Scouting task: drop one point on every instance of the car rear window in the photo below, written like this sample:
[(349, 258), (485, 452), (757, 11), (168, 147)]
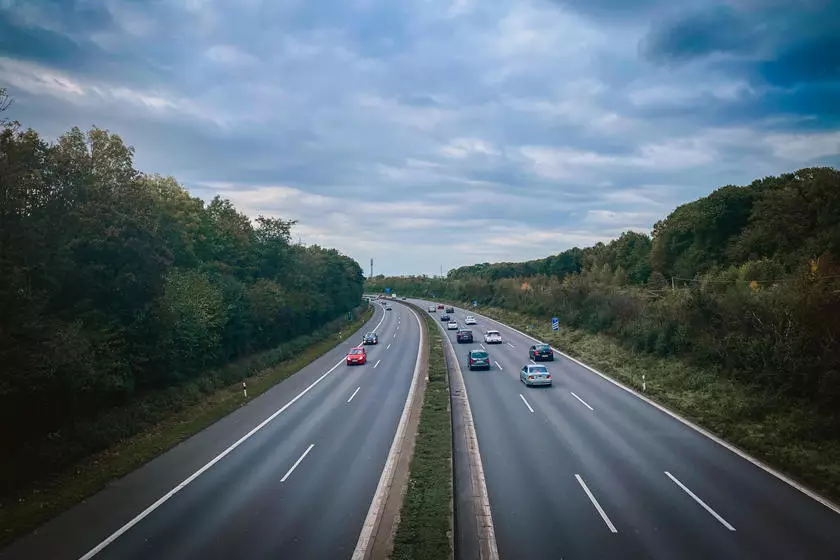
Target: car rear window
[(492, 332), (543, 347), (539, 369), (355, 351), (479, 354)]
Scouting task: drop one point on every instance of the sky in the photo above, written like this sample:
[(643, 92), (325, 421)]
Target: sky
[(429, 134)]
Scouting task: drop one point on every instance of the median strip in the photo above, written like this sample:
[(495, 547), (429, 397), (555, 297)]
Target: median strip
[(425, 527)]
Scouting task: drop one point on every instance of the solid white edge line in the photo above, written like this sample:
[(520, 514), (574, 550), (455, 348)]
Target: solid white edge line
[(582, 401), (498, 366), (732, 448), (354, 394), (596, 504), (376, 364), (701, 502), (291, 470), (487, 530), (521, 396), (143, 514), (380, 496)]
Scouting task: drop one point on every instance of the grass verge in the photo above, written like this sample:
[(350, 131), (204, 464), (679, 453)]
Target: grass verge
[(782, 432), (261, 372), (425, 525)]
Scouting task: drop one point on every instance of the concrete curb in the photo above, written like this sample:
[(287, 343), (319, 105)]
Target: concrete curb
[(377, 537), (485, 529)]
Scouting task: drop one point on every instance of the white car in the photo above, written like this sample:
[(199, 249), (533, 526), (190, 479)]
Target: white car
[(493, 337), (432, 309), (452, 326), (469, 320)]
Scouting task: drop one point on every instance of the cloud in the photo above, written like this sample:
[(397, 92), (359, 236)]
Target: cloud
[(439, 132)]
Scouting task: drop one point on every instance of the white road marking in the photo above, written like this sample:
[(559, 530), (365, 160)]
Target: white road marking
[(582, 401), (723, 443), (498, 366), (376, 364), (387, 477), (387, 347), (701, 502), (511, 345), (482, 346), (533, 362), (143, 514), (526, 403), (354, 392), (398, 328), (596, 504), (291, 470), (395, 335)]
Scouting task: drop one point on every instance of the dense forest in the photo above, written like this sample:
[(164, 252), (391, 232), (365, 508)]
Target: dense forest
[(746, 280), (117, 283)]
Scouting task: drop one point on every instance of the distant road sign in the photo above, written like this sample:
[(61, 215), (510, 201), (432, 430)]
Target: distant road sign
[(387, 290), (555, 324), (475, 302)]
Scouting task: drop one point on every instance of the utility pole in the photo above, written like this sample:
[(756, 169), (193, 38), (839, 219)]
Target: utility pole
[(371, 268)]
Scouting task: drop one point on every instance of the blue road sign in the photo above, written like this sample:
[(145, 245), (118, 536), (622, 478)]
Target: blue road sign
[(475, 302), (387, 290), (555, 324)]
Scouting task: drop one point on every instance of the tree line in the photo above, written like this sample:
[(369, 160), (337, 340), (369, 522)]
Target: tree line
[(745, 280), (116, 283)]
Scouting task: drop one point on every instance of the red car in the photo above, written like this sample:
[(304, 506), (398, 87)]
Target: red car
[(357, 356), (440, 306)]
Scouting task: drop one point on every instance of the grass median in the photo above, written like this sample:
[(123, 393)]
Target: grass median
[(781, 431), (425, 525), (180, 413)]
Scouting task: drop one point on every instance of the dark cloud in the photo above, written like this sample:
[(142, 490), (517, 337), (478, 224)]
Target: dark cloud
[(547, 118), (716, 29)]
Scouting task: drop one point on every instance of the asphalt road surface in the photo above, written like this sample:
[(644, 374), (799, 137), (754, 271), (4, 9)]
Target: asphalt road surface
[(298, 487), (585, 469)]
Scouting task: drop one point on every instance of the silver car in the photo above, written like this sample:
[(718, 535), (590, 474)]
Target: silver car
[(534, 374), (452, 326)]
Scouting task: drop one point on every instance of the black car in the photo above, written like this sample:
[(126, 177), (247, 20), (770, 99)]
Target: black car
[(464, 335), (444, 317), (540, 352), (450, 310), (478, 359), (371, 338)]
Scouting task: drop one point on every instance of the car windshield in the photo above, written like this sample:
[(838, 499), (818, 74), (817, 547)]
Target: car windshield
[(479, 354), (539, 369)]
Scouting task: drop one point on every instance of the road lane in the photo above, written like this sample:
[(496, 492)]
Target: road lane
[(244, 506), (622, 448)]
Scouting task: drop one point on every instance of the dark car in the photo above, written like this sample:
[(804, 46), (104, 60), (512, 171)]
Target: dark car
[(444, 317), (450, 310), (464, 335), (371, 338), (478, 359), (540, 352)]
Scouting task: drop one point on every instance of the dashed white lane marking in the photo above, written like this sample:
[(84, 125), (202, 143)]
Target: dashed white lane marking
[(582, 401), (596, 504), (701, 502), (356, 391), (291, 470), (521, 396)]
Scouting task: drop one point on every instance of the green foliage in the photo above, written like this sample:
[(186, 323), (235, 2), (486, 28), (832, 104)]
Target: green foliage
[(744, 280), (116, 285)]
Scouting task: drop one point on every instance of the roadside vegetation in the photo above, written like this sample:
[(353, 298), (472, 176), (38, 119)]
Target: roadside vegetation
[(159, 421), (119, 292), (731, 308), (425, 526)]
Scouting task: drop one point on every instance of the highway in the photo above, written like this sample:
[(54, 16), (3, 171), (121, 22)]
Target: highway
[(294, 474), (586, 469)]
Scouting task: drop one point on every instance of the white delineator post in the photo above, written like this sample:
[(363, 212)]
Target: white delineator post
[(244, 389)]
